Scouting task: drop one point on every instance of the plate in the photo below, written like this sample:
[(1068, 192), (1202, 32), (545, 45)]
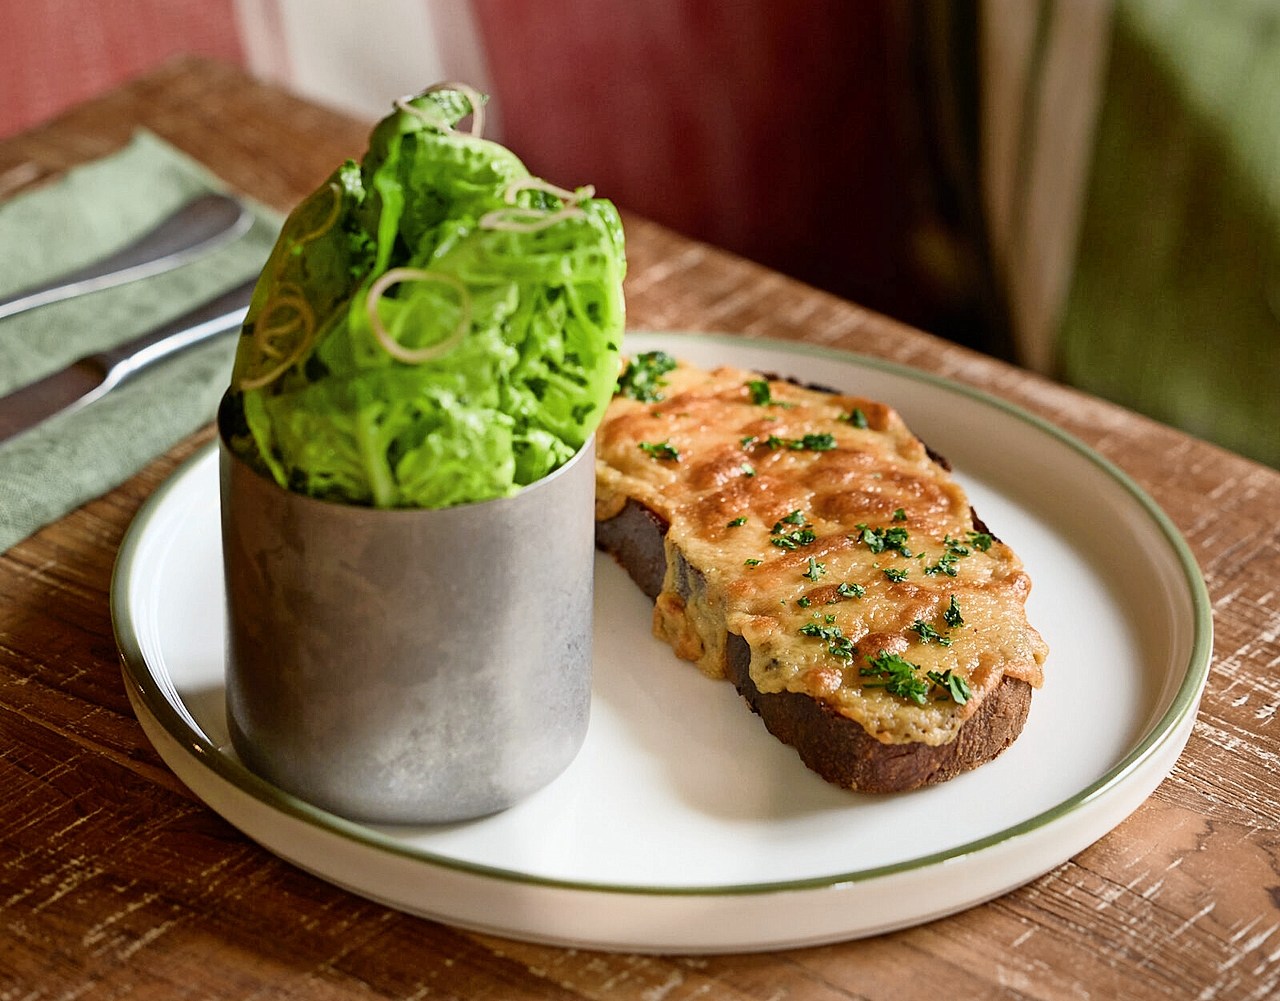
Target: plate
[(682, 826)]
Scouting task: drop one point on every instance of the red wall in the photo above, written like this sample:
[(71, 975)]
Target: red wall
[(773, 129), (55, 53)]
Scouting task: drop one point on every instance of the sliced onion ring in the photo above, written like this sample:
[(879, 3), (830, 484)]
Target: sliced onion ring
[(523, 220), (416, 356), (538, 184), (264, 333), (437, 119)]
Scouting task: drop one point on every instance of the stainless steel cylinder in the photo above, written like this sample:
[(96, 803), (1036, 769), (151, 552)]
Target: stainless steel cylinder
[(408, 666)]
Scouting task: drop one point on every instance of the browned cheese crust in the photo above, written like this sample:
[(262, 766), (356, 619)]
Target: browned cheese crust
[(808, 548)]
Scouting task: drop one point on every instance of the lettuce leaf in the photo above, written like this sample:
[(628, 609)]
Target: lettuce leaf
[(434, 325)]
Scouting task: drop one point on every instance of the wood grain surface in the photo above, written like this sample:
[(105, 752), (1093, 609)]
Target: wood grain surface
[(116, 882)]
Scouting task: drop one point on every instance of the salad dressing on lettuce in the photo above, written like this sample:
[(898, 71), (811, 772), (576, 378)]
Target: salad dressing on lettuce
[(434, 326)]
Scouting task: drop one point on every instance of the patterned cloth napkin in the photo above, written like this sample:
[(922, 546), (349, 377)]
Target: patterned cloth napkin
[(91, 211)]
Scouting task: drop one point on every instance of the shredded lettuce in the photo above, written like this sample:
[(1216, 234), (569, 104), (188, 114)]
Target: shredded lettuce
[(434, 326)]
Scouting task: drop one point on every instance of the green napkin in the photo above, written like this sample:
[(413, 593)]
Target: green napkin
[(86, 214)]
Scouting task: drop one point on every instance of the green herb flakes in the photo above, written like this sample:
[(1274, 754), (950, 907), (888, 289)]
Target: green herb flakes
[(643, 380), (946, 565), (809, 443), (661, 450), (794, 540), (784, 539), (838, 644), (794, 518), (897, 676), (928, 634), (900, 677), (880, 540), (761, 395), (953, 686), (981, 541)]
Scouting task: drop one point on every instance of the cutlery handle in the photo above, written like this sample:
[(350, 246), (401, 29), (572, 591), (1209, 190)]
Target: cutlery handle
[(199, 226), (219, 315)]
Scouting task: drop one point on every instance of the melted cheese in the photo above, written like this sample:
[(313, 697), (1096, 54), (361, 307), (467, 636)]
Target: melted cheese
[(739, 470)]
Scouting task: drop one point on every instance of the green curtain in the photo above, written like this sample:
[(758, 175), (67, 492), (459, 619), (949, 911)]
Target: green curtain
[(1174, 303)]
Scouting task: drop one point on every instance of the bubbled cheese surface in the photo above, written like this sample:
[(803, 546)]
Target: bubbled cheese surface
[(825, 534)]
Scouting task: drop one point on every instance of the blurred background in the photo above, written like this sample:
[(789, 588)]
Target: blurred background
[(1090, 188)]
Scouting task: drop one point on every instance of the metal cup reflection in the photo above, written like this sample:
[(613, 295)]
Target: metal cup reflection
[(409, 666)]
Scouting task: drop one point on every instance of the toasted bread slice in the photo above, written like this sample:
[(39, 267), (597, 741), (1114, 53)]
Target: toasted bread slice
[(808, 547)]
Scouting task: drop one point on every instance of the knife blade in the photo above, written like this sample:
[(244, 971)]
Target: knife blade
[(196, 228), (93, 376)]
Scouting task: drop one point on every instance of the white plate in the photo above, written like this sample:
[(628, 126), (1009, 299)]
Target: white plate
[(683, 826)]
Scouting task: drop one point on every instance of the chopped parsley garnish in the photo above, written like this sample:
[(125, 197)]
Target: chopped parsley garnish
[(980, 541), (838, 644), (815, 570), (858, 419), (895, 574), (901, 677), (816, 442), (748, 469), (801, 536), (761, 395), (928, 634), (955, 549), (809, 443), (897, 676), (752, 562), (951, 614), (642, 379), (794, 540), (946, 565), (900, 514), (878, 540), (956, 687), (804, 602), (737, 522), (845, 590), (820, 631), (660, 450), (794, 518)]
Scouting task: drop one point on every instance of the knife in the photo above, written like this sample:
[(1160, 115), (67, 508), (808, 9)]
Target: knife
[(201, 225), (90, 378)]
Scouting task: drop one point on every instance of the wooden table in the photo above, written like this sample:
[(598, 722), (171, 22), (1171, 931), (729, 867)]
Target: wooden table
[(115, 881)]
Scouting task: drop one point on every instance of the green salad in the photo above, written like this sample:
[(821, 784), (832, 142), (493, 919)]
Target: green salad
[(434, 325)]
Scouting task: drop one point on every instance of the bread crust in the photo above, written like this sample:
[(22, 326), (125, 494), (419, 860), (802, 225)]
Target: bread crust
[(834, 746), (842, 752)]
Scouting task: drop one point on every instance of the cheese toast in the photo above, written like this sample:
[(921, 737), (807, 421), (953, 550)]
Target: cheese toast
[(806, 546)]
